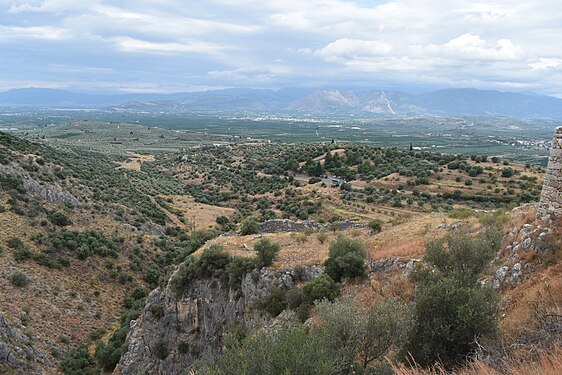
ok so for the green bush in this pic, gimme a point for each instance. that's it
(108, 354)
(160, 350)
(79, 362)
(453, 309)
(346, 259)
(267, 252)
(22, 254)
(375, 226)
(249, 227)
(286, 351)
(15, 243)
(19, 279)
(319, 288)
(274, 303)
(59, 219)
(213, 262)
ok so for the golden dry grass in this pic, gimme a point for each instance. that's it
(199, 215)
(547, 364)
(135, 161)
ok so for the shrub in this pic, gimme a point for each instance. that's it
(319, 288)
(346, 259)
(23, 254)
(267, 252)
(453, 309)
(79, 362)
(508, 172)
(19, 279)
(285, 351)
(157, 311)
(249, 227)
(15, 243)
(213, 262)
(237, 269)
(59, 219)
(274, 303)
(322, 236)
(160, 350)
(375, 225)
(294, 298)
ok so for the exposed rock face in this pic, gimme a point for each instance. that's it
(17, 356)
(529, 238)
(172, 333)
(551, 197)
(49, 191)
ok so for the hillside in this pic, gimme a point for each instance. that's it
(91, 227)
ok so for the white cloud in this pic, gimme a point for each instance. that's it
(504, 43)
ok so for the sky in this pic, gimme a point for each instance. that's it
(176, 46)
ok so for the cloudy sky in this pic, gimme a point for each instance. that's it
(168, 45)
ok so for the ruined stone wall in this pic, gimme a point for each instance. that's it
(551, 197)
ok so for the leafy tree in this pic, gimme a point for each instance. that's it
(319, 288)
(249, 227)
(363, 335)
(346, 259)
(266, 252)
(453, 309)
(79, 362)
(285, 352)
(59, 219)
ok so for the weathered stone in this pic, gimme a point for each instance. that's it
(198, 321)
(551, 198)
(17, 355)
(527, 243)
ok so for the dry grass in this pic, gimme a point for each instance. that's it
(547, 364)
(135, 161)
(202, 216)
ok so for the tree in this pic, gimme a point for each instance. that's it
(346, 259)
(364, 335)
(319, 288)
(267, 252)
(249, 227)
(285, 351)
(453, 309)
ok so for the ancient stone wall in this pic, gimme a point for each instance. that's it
(551, 197)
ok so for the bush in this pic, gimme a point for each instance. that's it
(507, 172)
(19, 279)
(59, 219)
(274, 303)
(285, 351)
(22, 254)
(15, 243)
(267, 252)
(213, 262)
(249, 227)
(375, 225)
(322, 236)
(346, 259)
(453, 309)
(160, 350)
(319, 288)
(79, 362)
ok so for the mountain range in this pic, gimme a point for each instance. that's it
(470, 102)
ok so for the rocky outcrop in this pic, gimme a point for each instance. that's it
(17, 355)
(50, 191)
(551, 198)
(284, 225)
(526, 240)
(172, 333)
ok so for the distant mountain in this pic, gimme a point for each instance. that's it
(301, 101)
